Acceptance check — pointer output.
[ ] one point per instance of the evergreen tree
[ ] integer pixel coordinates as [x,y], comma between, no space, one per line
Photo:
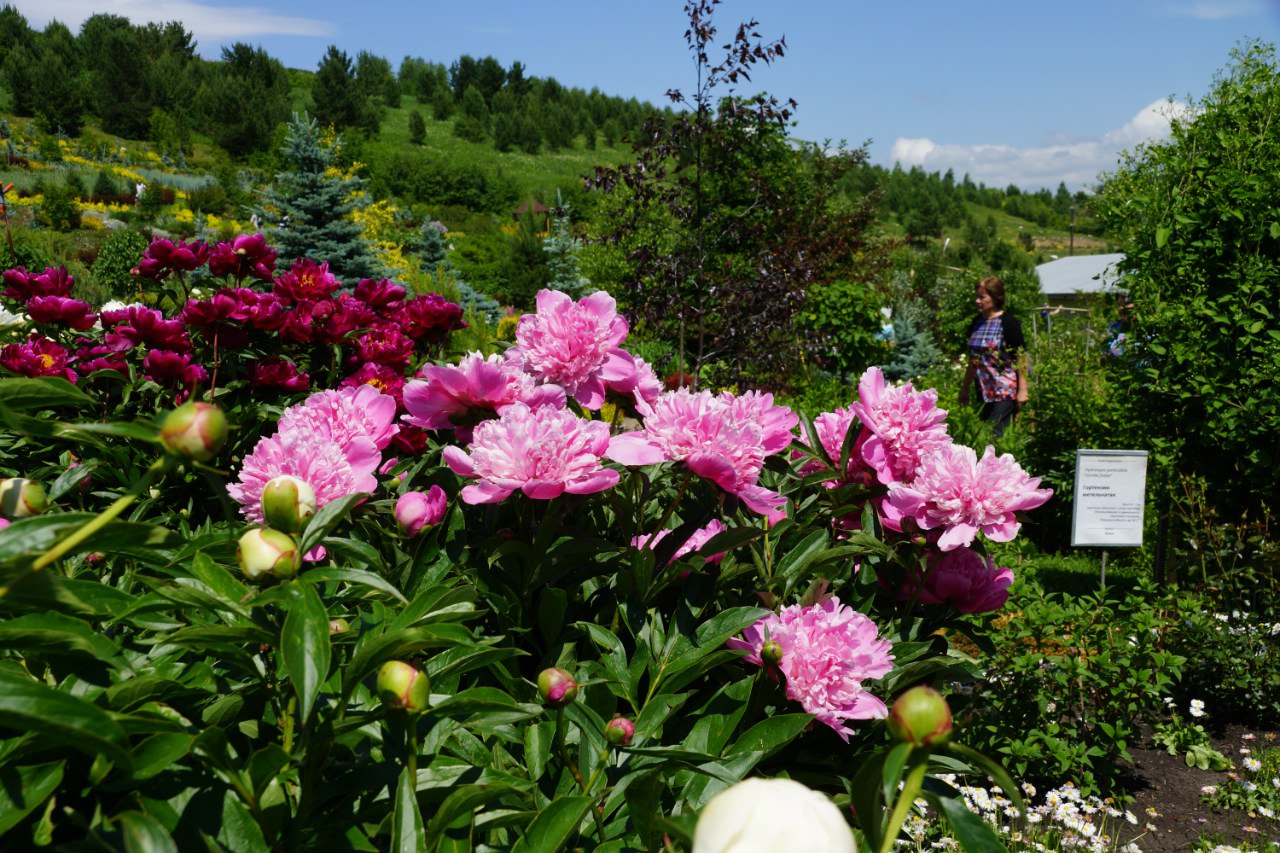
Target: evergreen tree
[914,351]
[317,207]
[246,75]
[339,99]
[562,249]
[113,54]
[59,87]
[374,75]
[442,104]
[472,123]
[417,128]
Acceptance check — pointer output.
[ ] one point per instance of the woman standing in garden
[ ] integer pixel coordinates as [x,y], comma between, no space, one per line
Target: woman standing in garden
[996,357]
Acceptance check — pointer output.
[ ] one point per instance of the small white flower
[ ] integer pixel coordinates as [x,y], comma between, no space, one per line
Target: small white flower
[1209,790]
[1266,812]
[1197,708]
[1253,765]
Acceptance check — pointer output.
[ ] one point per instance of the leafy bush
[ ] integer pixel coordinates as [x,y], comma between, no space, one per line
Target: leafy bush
[116,259]
[1072,681]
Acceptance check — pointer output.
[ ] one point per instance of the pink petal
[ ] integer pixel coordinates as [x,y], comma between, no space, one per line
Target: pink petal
[634,448]
[458,461]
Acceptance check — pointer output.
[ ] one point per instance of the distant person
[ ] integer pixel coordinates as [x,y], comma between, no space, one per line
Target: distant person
[1117,329]
[255,222]
[996,358]
[138,191]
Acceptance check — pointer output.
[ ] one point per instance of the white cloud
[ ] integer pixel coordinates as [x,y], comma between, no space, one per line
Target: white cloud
[1073,160]
[206,23]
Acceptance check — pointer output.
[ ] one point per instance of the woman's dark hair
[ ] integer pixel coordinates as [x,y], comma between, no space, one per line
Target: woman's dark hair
[994,288]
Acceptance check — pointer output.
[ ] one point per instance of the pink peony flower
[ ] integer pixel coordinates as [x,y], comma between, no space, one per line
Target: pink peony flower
[640,388]
[777,423]
[476,389]
[416,511]
[311,456]
[828,650]
[955,490]
[574,345]
[717,440]
[966,581]
[700,537]
[543,452]
[906,425]
[347,415]
[38,356]
[832,429]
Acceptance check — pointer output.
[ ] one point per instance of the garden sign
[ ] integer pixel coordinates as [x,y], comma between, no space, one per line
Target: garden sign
[1110,496]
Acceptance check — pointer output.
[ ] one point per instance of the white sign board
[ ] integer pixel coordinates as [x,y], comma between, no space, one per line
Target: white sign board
[1110,496]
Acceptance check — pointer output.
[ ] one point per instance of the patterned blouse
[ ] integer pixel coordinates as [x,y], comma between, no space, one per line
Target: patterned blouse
[997,364]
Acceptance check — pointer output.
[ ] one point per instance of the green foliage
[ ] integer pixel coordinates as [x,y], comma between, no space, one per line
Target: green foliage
[1196,213]
[844,317]
[59,210]
[117,257]
[1190,740]
[243,98]
[562,249]
[338,97]
[914,351]
[417,128]
[1066,691]
[472,121]
[105,184]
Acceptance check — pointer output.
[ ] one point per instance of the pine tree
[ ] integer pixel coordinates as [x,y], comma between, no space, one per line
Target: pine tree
[417,128]
[914,351]
[311,208]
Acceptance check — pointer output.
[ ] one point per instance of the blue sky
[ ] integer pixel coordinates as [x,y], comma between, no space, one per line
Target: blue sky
[1025,92]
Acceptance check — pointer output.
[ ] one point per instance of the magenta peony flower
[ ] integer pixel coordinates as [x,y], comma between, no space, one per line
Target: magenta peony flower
[164,256]
[347,415]
[385,344]
[61,310]
[166,366]
[717,439]
[700,537]
[381,295]
[828,650]
[306,280]
[476,389]
[275,372]
[22,285]
[90,359]
[418,510]
[543,452]
[311,456]
[906,425]
[966,581]
[38,356]
[429,318]
[955,490]
[246,255]
[385,379]
[574,345]
[134,325]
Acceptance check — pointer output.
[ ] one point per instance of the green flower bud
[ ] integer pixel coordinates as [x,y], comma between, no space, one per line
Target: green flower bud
[619,731]
[194,430]
[556,687]
[771,653]
[264,554]
[921,717]
[403,687]
[21,498]
[339,626]
[287,501]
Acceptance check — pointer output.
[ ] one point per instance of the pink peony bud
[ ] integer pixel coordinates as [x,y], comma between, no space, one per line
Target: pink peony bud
[417,510]
[287,501]
[556,687]
[921,717]
[402,687]
[194,430]
[265,554]
[21,498]
[619,731]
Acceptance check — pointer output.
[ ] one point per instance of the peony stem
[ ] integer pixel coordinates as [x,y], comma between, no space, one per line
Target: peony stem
[906,798]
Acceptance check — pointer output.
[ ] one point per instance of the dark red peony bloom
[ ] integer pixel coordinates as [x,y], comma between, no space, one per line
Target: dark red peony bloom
[430,318]
[381,295]
[62,311]
[386,379]
[146,325]
[307,280]
[38,356]
[22,285]
[385,344]
[90,359]
[164,256]
[410,439]
[166,367]
[246,256]
[278,373]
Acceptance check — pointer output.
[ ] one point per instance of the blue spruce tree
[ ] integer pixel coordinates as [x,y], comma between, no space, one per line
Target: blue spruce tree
[310,209]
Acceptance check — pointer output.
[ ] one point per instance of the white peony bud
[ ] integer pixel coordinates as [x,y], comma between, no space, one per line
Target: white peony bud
[771,816]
